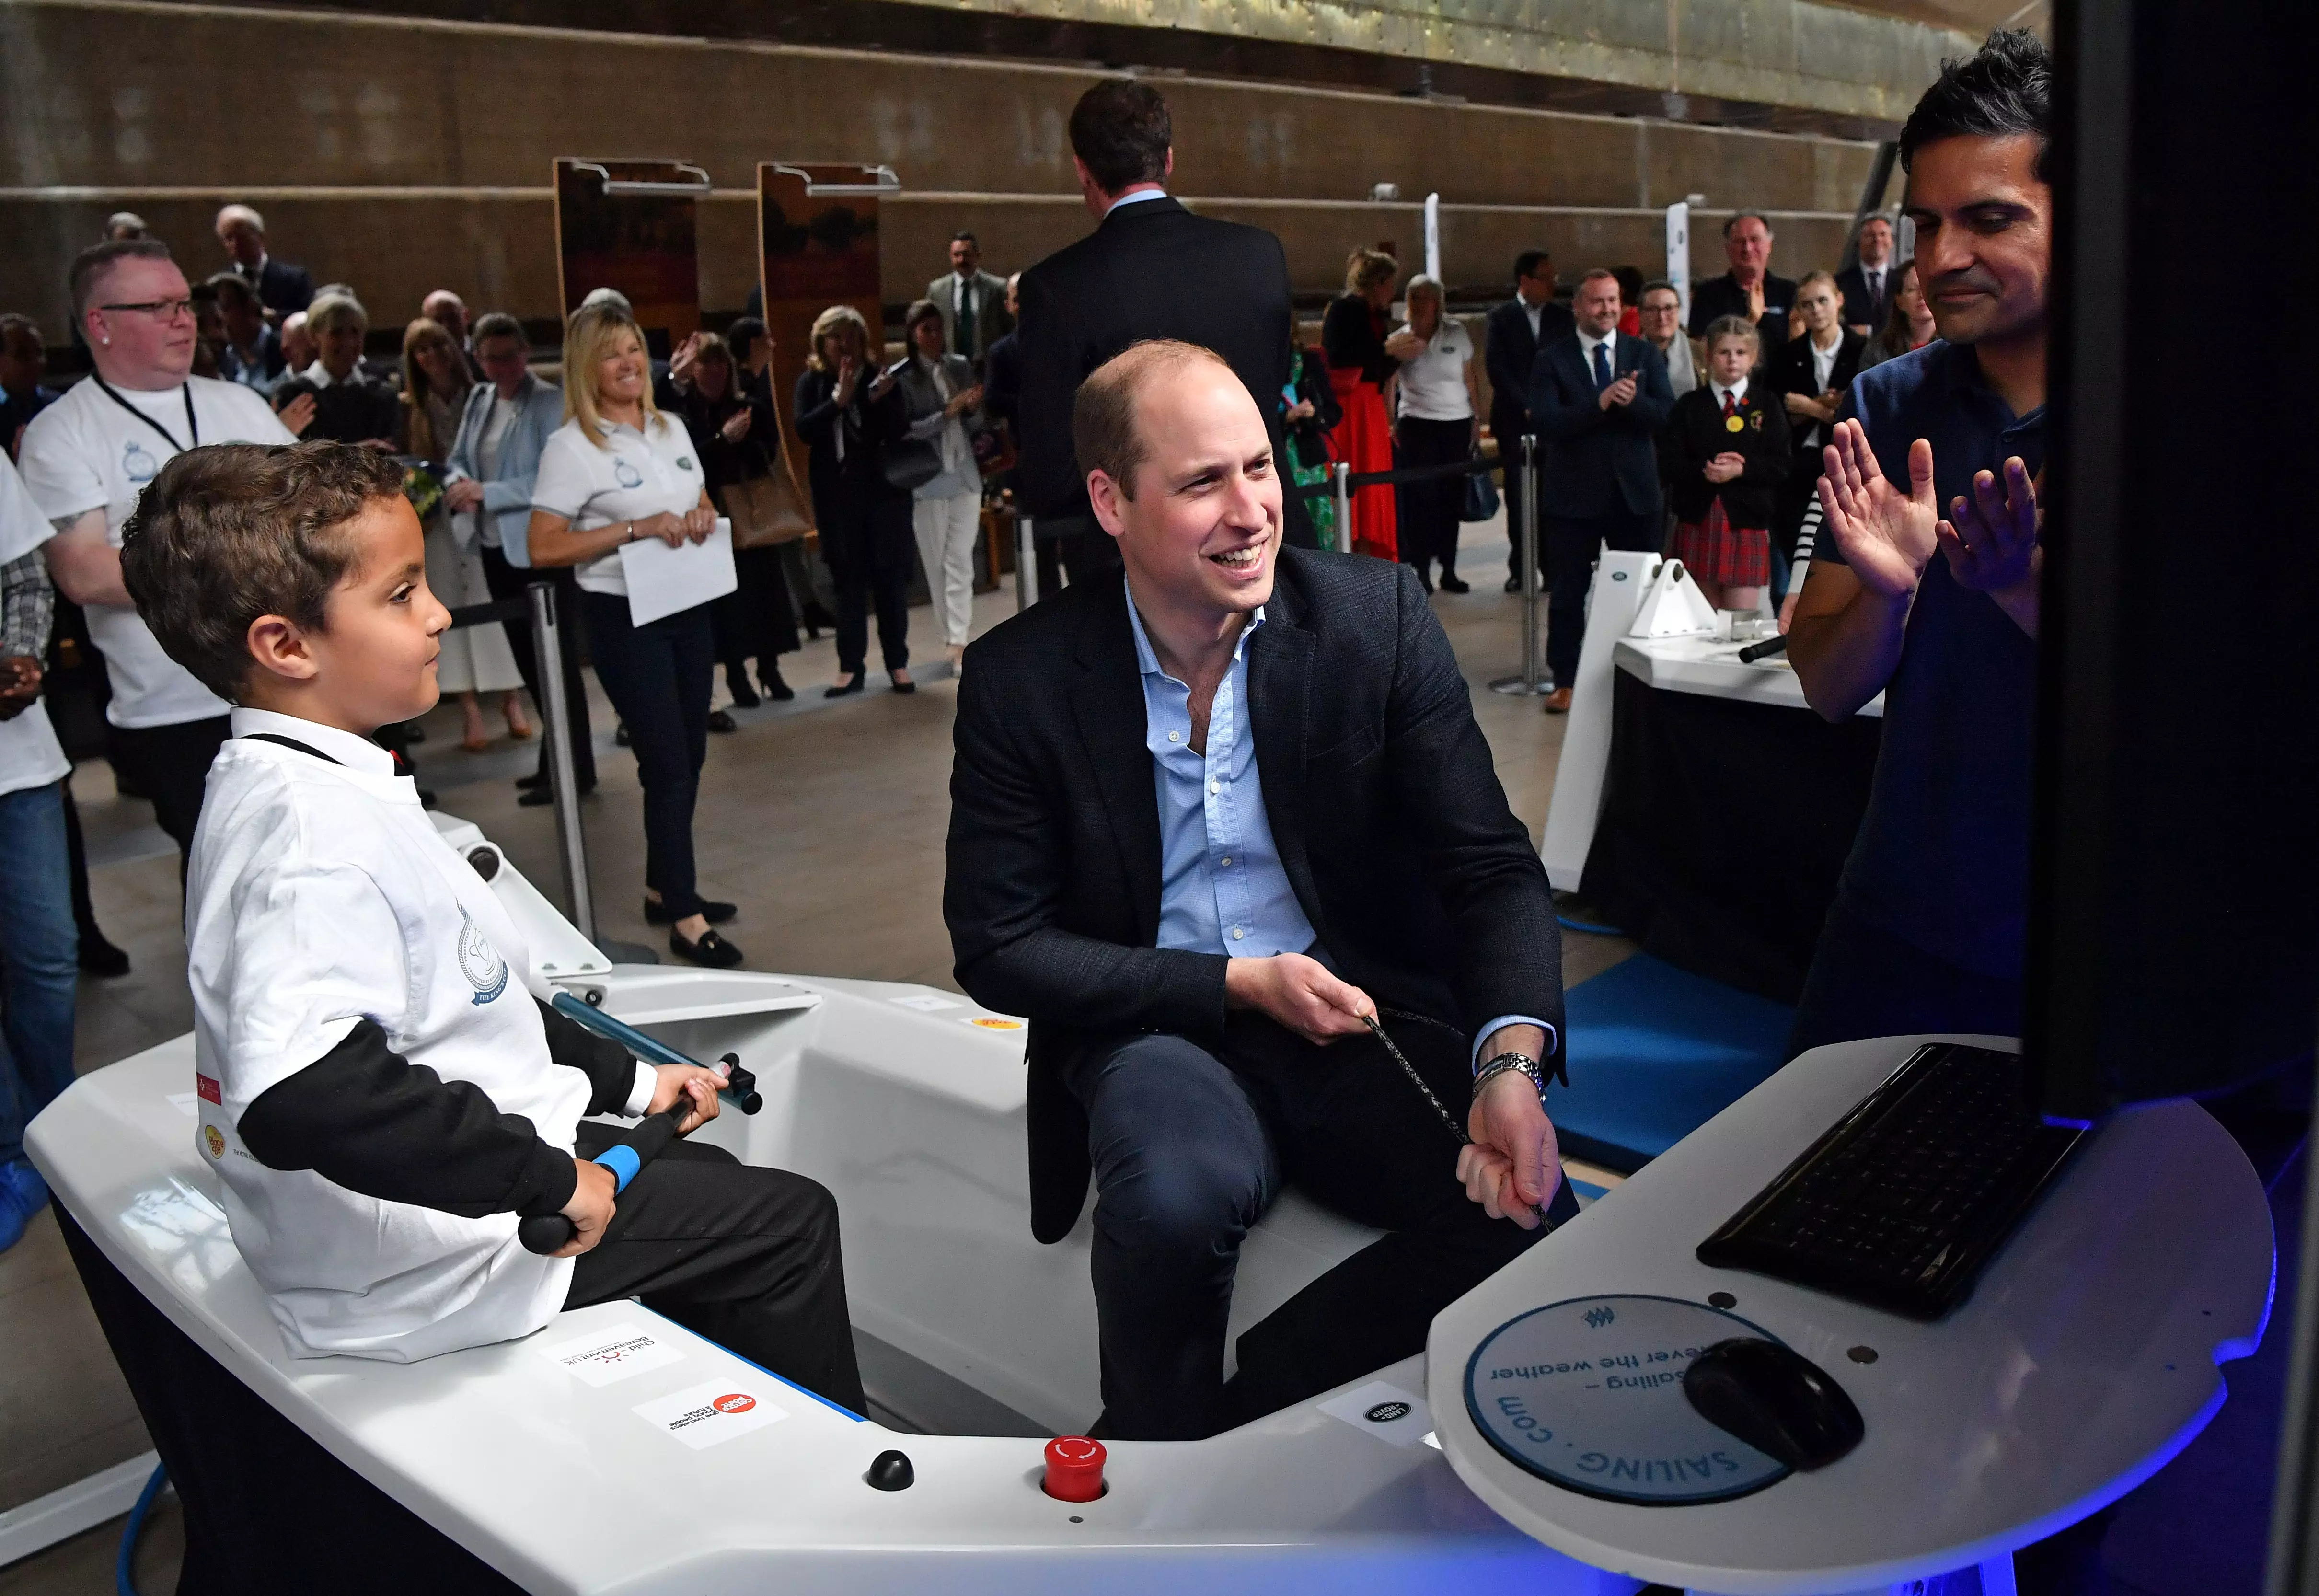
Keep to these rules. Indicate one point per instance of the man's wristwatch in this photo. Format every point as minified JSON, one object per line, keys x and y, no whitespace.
{"x":1516,"y":1063}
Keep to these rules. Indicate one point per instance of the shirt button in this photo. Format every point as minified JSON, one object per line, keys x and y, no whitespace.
{"x":1227,"y":862}
{"x":1215,"y":787}
{"x":1175,"y":737}
{"x":1238,"y":933}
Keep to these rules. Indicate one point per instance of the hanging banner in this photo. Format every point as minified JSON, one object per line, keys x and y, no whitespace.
{"x":1678,"y":257}
{"x":818,"y":231}
{"x":628,"y":225}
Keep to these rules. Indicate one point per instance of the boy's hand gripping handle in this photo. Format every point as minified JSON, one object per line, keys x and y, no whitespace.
{"x":544,"y":1234}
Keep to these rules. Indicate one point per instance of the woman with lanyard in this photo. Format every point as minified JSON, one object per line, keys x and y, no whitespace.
{"x":864,"y":519}
{"x":1438,"y":423}
{"x":619,"y":470}
{"x":88,"y":457}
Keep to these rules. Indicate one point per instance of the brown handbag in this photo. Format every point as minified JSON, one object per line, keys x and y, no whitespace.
{"x":768,"y":510}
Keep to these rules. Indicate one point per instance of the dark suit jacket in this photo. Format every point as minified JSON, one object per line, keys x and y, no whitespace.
{"x":1594,"y":460}
{"x":1002,"y":377}
{"x":991,"y":318}
{"x":1383,"y":803}
{"x":1789,"y":370}
{"x":1723,"y":296}
{"x":1151,"y":270}
{"x":1862,"y":309}
{"x":282,"y":288}
{"x":1697,"y":432}
{"x":1508,"y":352}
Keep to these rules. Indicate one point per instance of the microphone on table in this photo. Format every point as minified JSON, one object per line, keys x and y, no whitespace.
{"x":740,"y":1088}
{"x":1763,"y":650}
{"x":543,"y":1233}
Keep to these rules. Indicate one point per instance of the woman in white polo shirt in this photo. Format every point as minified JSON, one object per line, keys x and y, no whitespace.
{"x":618,"y":470}
{"x":1437,"y":423}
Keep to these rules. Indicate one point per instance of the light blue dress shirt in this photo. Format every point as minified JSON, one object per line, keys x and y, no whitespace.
{"x":1223,"y":889}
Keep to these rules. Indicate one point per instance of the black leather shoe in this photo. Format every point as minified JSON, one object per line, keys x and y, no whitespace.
{"x":715,"y":913}
{"x":719,"y":721}
{"x":536,"y":779}
{"x":540,"y":797}
{"x":745,"y":697}
{"x":780,"y":692}
{"x":711,"y":951}
{"x":620,"y":734}
{"x":904,"y":687}
{"x":101,"y":957}
{"x":852,"y":684}
{"x":1513,"y":584}
{"x":1452,"y":582}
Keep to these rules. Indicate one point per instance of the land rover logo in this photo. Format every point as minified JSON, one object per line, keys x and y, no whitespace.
{"x":1386,"y":1412}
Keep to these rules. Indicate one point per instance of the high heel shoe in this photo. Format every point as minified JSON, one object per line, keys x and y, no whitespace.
{"x":852,"y":684}
{"x":775,"y":689}
{"x":745,"y":697}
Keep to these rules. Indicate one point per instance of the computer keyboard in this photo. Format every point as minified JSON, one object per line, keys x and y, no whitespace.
{"x":1905,"y":1200}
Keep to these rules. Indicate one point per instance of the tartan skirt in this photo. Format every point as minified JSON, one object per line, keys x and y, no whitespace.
{"x":1715,"y":551}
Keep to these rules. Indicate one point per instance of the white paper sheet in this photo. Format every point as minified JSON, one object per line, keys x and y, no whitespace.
{"x":663,"y":580}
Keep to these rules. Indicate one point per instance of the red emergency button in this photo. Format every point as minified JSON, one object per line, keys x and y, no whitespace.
{"x":1074,"y":1469}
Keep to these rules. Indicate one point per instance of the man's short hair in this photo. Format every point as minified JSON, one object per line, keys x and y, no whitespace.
{"x":2004,"y":89}
{"x":226,"y":534}
{"x":332,"y":309}
{"x":921,"y":310}
{"x":20,"y":326}
{"x":1596,"y":273}
{"x":966,"y":237}
{"x":125,"y":224}
{"x":1874,"y":218}
{"x":497,"y":324}
{"x":744,"y":334}
{"x":1653,"y":286}
{"x":233,"y":288}
{"x":239,"y":212}
{"x":94,"y":262}
{"x":1527,"y":263}
{"x":1732,"y":327}
{"x":1104,"y":434}
{"x":1121,"y":133}
{"x":1738,"y":216}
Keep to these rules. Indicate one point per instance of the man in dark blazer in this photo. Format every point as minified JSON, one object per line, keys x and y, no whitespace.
{"x":1150,"y":270}
{"x":1749,"y":290}
{"x":1598,"y":399}
{"x":1511,"y":338}
{"x":1207,"y":814}
{"x":281,"y":286}
{"x":1866,"y":284}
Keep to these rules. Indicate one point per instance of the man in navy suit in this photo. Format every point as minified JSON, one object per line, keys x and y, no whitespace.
{"x":1598,"y":400}
{"x":1516,"y":330}
{"x":281,"y":287}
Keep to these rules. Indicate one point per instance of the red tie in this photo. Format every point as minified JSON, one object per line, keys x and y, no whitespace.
{"x":1730,"y":404}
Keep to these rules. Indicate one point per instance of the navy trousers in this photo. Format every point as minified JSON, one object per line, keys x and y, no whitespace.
{"x":1191,"y":1146}
{"x":1568,"y":546}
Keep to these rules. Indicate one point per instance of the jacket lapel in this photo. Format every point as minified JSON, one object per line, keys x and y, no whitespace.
{"x":1279,"y":679}
{"x":1107,"y":704}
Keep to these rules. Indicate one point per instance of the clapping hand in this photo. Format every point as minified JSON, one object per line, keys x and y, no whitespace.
{"x":849,"y":372}
{"x":1621,"y":392}
{"x":679,"y":366}
{"x":736,"y":425}
{"x":1886,"y":534}
{"x":297,"y":415}
{"x":1405,"y":345}
{"x":1991,"y":538}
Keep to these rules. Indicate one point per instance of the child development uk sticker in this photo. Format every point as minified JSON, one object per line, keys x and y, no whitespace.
{"x":1588,"y":1393}
{"x":708,"y":1414}
{"x":608,"y":1356}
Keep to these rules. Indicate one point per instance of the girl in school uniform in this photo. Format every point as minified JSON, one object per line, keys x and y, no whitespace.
{"x":1728,"y":448}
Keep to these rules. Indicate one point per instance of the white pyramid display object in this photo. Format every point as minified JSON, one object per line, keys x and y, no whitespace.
{"x":1674,"y":607}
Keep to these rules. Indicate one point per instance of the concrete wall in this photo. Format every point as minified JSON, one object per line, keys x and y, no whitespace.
{"x":403,"y":155}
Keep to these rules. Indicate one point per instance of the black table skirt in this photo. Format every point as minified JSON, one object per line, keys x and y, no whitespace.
{"x":1724,"y":828}
{"x":267,"y":1509}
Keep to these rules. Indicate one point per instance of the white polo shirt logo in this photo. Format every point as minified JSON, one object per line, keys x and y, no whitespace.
{"x":627,"y":475}
{"x":138,"y":465}
{"x":479,"y":961}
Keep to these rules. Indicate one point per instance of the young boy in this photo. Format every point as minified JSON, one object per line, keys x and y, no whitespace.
{"x":379,"y":1093}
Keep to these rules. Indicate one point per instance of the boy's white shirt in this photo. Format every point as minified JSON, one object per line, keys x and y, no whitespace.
{"x":319,"y":895}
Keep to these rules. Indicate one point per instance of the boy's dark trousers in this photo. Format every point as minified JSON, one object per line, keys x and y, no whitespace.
{"x":746,"y":1256}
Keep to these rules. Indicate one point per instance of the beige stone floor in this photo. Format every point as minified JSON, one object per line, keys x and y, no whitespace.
{"x":824,"y":823}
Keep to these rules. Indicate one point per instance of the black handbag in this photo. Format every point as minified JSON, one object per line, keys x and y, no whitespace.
{"x":1481,"y":496}
{"x":910,"y":463}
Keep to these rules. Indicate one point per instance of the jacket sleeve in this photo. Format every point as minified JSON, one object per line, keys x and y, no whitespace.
{"x":364,"y":1117}
{"x":816,"y":409}
{"x":1508,"y":384}
{"x":1047,"y":377}
{"x":520,"y":467}
{"x":1477,"y":855}
{"x":617,"y":1083}
{"x":1002,"y":897}
{"x":1654,"y":394}
{"x":1769,"y":460}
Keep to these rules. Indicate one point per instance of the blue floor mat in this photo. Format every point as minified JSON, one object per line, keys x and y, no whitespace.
{"x":1655,"y":1054}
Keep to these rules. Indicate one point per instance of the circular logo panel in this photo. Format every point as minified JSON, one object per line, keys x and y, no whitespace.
{"x":1588,"y":1394}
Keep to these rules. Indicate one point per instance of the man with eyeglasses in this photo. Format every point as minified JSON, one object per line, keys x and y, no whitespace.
{"x":88,"y":457}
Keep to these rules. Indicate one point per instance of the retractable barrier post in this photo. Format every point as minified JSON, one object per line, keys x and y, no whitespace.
{"x":1527,"y":683}
{"x":1344,"y":508}
{"x":1026,"y":565}
{"x":570,"y":845}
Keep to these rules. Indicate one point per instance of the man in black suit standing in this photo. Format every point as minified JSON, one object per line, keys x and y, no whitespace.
{"x":281,"y":287}
{"x":1867,"y":284}
{"x":1598,"y":400}
{"x":1206,"y":816}
{"x":1150,"y":270}
{"x":1749,"y":290}
{"x":1515,"y":333}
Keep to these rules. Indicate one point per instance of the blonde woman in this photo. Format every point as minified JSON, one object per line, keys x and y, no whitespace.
{"x":616,"y":471}
{"x":1362,"y":372}
{"x":475,"y":660}
{"x":1435,"y":421}
{"x":847,"y":412}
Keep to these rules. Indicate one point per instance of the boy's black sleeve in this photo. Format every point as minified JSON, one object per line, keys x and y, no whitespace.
{"x":366,"y":1118}
{"x":611,"y":1070}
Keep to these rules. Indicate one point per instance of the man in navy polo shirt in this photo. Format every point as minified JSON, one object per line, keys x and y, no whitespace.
{"x":1929,"y":594}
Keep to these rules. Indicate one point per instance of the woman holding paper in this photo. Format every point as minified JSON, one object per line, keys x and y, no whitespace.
{"x":620,"y":474}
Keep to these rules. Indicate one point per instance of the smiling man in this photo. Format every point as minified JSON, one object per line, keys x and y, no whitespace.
{"x":1931,"y":600}
{"x":1207,"y":818}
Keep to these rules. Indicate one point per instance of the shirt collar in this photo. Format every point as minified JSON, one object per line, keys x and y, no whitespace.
{"x":1738,"y":391}
{"x":1148,"y":663}
{"x":1134,"y":199}
{"x":1587,"y":340}
{"x":356,"y":754}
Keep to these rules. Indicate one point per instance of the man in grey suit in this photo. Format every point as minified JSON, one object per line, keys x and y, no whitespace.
{"x":972,"y":302}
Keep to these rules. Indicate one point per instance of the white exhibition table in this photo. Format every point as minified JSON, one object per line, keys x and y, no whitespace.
{"x":2084,"y":1360}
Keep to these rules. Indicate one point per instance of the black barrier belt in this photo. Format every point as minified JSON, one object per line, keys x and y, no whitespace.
{"x":482,"y":614}
{"x":1411,"y":473}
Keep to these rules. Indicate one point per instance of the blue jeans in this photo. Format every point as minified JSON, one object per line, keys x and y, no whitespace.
{"x":39,"y":959}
